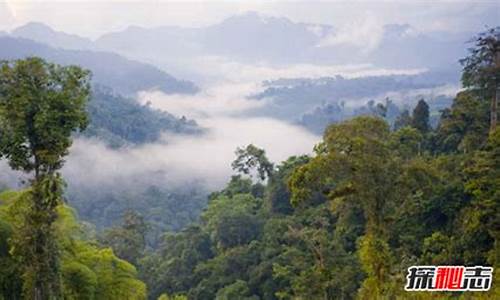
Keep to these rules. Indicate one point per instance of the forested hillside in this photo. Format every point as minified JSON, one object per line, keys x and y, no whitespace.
{"x":45,"y":253}
{"x":119,"y":120}
{"x":319,"y":118}
{"x":348,"y":221}
{"x":87,"y":270}
{"x":166,"y":208}
{"x":109,"y":69}
{"x":315,"y":103}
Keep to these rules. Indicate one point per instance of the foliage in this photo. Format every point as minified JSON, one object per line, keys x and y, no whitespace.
{"x":165,"y":208}
{"x":296,"y":96}
{"x":120,"y":120}
{"x":277,"y":194}
{"x":420,"y":118}
{"x":355,"y":222}
{"x":403,"y":120}
{"x":463,"y":127}
{"x":128,"y":240}
{"x":41,"y":105}
{"x":123,"y":75}
{"x":481,"y":69}
{"x":175,"y":297}
{"x":343,"y":223}
{"x":252,"y":158}
{"x":87,"y":272}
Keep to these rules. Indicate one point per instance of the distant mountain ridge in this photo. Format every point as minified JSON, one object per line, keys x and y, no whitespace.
{"x":123,"y":75}
{"x":247,"y":37}
{"x":252,"y":38}
{"x":42,"y":33}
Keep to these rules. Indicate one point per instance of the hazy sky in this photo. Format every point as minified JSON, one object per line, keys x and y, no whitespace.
{"x":92,"y":18}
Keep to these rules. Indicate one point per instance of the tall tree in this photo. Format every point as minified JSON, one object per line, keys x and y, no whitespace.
{"x":403,"y":120}
{"x":464,"y":126}
{"x":128,"y":240}
{"x":41,"y":105}
{"x":420,"y":118}
{"x":481,"y":69}
{"x":253,"y":158}
{"x":354,"y":166}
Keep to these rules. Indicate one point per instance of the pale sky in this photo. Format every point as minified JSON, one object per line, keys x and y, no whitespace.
{"x":93,"y":18}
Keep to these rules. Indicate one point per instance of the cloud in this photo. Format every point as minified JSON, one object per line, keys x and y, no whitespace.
{"x":407,"y":97}
{"x":94,"y":18}
{"x":6,"y":15}
{"x":10,"y":177}
{"x":178,"y":160}
{"x":224,"y":99}
{"x":364,"y":33}
{"x":181,"y":160}
{"x":222,"y":109}
{"x":220,"y":71}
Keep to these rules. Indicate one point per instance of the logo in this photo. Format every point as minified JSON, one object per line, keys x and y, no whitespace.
{"x":449,"y":278}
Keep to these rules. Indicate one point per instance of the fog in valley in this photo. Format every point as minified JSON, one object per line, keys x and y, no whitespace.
{"x":175,"y":150}
{"x":208,"y":81}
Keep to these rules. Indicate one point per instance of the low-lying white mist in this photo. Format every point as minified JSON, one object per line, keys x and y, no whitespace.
{"x":223,"y":99}
{"x":407,"y":98}
{"x":177,"y":160}
{"x":222,"y":110}
{"x":183,"y":159}
{"x":212,"y":70}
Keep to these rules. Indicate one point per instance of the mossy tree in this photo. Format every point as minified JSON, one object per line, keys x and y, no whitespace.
{"x":41,"y":105}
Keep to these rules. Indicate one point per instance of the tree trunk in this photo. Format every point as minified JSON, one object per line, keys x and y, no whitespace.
{"x":494,"y":100}
{"x":493,"y":111}
{"x":37,"y":294}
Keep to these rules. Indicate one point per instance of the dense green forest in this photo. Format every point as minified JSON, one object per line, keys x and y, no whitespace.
{"x":120,"y":121}
{"x":318,"y":119}
{"x":347,"y":222}
{"x":110,"y":69}
{"x":87,"y":270}
{"x":166,"y":208}
{"x":317,"y":102}
{"x":343,"y":223}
